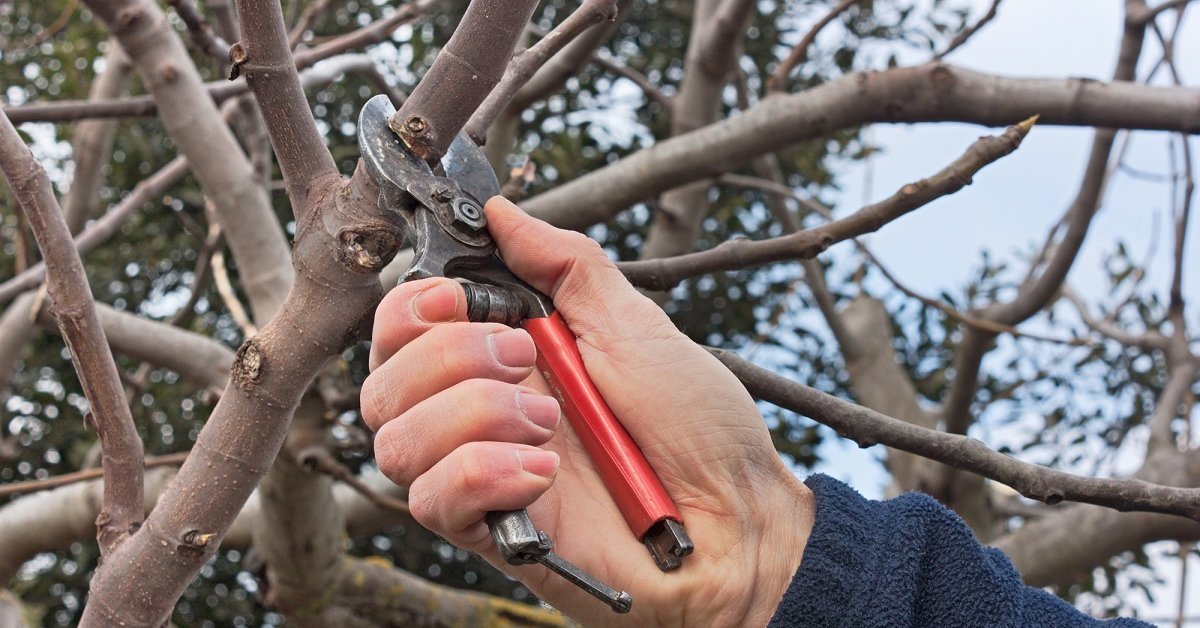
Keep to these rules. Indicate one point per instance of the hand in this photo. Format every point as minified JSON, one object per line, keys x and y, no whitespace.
{"x":466,"y":423}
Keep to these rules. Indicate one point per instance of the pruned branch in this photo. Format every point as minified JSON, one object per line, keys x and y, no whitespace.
{"x":867,"y":428}
{"x":526,"y":63}
{"x":76,"y":314}
{"x":934,"y":92}
{"x":661,"y":274}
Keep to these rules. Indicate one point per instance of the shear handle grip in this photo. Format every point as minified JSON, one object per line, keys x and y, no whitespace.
{"x":631,"y":481}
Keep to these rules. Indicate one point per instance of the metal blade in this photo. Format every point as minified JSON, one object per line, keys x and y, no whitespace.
{"x":469,"y":167}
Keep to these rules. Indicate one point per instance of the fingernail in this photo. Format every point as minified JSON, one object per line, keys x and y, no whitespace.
{"x":437,"y":304}
{"x":541,"y":410}
{"x":513,"y":347}
{"x":539,"y":462}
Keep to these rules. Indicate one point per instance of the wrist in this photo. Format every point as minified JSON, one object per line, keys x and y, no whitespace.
{"x":786,"y":530}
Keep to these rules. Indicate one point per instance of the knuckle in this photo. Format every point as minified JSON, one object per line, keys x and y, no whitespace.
{"x":391,"y":454}
{"x":474,"y":476}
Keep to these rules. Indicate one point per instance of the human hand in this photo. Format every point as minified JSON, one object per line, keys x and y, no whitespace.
{"x":467,"y":424}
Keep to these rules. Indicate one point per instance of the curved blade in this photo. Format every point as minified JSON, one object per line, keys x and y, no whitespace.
{"x":469,"y":167}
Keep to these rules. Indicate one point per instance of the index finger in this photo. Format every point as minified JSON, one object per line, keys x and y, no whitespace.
{"x":410,"y":310}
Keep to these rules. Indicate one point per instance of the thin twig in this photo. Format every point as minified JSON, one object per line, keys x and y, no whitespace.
{"x":307,"y":18}
{"x":46,"y":33}
{"x":867,"y":428}
{"x":122,"y":510}
{"x":201,"y":31}
{"x":526,"y":63}
{"x":104,"y":228}
{"x":969,"y":32}
{"x":779,"y":78}
{"x":662,"y":274}
{"x":320,"y":460}
{"x":70,"y":110}
{"x":229,"y":296}
{"x":33,"y":486}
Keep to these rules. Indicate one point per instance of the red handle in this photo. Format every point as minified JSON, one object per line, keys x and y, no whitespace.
{"x":629,"y":478}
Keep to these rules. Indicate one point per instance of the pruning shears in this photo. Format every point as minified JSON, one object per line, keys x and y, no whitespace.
{"x":441,"y":208}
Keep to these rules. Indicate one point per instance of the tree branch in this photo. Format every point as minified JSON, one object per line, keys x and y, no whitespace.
{"x":202,"y":32}
{"x":264,"y":56}
{"x":252,"y":230}
{"x":1035,"y":292}
{"x":76,"y":314}
{"x":867,"y":428}
{"x":934,"y":92}
{"x":99,"y":232}
{"x":33,"y":486}
{"x":662,"y":274}
{"x":469,"y":66}
{"x":779,"y":78}
{"x":969,"y":32}
{"x":526,"y":63}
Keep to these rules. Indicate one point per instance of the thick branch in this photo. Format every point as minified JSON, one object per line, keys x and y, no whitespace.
{"x":934,"y":92}
{"x":338,"y":259}
{"x":198,"y":359}
{"x":867,"y":428}
{"x":469,"y":66}
{"x":76,"y":314}
{"x":264,"y":56}
{"x":662,"y":274}
{"x":523,"y":66}
{"x":1070,"y":540}
{"x":193,"y":122}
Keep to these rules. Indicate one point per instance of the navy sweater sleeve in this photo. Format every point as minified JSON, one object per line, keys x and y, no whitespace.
{"x":909,"y":561}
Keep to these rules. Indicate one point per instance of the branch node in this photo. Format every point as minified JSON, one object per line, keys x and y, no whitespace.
{"x":248,"y":364}
{"x":238,"y":55}
{"x":367,"y":251}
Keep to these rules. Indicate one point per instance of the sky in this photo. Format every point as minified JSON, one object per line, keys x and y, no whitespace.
{"x":1012,"y":204}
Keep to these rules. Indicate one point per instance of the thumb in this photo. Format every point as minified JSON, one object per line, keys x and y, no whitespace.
{"x":586,"y":287}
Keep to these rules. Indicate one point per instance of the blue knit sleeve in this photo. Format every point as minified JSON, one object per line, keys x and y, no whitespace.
{"x":909,"y":561}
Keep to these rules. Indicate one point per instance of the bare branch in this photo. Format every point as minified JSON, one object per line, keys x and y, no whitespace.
{"x":312,"y":11}
{"x":1036,"y":292}
{"x":202,"y":32}
{"x":33,"y":486}
{"x":320,"y":460}
{"x":92,"y":140}
{"x":969,"y":32}
{"x":99,"y":232}
{"x":1147,"y":14}
{"x":220,"y":91}
{"x":526,"y":63}
{"x":1149,"y":341}
{"x":661,"y":274}
{"x":653,"y":93}
{"x":867,"y":428}
{"x":76,"y":314}
{"x":264,"y":56}
{"x":218,"y":163}
{"x":470,"y":65}
{"x":551,"y":76}
{"x":779,"y":78}
{"x":926,"y":93}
